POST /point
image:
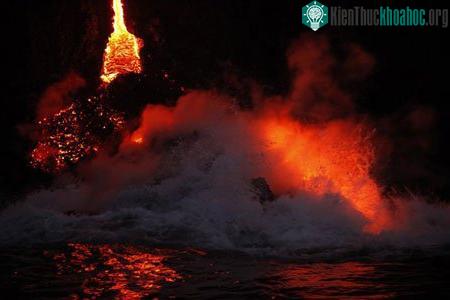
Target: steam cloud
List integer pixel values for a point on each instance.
(57, 96)
(184, 175)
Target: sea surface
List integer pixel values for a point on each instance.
(126, 271)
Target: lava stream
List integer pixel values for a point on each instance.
(122, 51)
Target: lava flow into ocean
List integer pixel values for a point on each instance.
(77, 131)
(307, 143)
(221, 149)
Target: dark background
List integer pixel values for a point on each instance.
(197, 41)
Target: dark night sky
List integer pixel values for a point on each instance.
(198, 41)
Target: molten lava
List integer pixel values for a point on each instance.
(73, 133)
(122, 52)
(331, 158)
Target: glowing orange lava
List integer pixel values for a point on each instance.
(328, 158)
(138, 140)
(334, 157)
(122, 52)
(75, 132)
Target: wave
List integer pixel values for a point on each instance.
(202, 199)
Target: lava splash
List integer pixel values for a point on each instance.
(122, 51)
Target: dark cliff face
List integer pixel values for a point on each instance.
(58, 36)
(200, 43)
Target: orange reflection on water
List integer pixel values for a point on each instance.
(343, 280)
(121, 272)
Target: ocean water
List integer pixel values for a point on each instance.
(193, 226)
(194, 237)
(119, 271)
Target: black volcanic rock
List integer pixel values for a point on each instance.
(262, 190)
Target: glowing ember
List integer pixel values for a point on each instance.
(73, 133)
(122, 52)
(138, 140)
